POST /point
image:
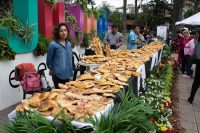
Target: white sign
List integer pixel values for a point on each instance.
(162, 31)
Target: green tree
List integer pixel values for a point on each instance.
(116, 17)
(177, 12)
(154, 14)
(189, 13)
(195, 5)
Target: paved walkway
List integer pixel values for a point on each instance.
(189, 113)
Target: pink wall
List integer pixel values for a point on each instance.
(45, 19)
(59, 13)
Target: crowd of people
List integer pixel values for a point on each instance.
(187, 45)
(136, 37)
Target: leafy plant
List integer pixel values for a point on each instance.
(82, 3)
(166, 55)
(95, 13)
(130, 115)
(5, 52)
(72, 20)
(51, 2)
(88, 11)
(86, 40)
(42, 46)
(25, 32)
(33, 122)
(15, 25)
(116, 18)
(10, 21)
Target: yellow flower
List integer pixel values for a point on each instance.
(161, 106)
(163, 128)
(168, 99)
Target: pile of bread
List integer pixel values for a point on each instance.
(138, 55)
(93, 91)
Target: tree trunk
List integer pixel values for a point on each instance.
(177, 13)
(136, 8)
(124, 15)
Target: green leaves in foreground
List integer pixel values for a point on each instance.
(130, 115)
(33, 122)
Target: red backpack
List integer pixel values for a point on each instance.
(21, 69)
(29, 79)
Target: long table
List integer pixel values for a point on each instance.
(138, 84)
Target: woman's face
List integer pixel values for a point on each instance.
(185, 34)
(63, 32)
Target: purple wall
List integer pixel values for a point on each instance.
(78, 13)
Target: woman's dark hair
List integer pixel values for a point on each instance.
(56, 31)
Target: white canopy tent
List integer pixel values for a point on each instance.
(193, 20)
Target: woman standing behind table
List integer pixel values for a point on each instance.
(189, 51)
(196, 82)
(183, 42)
(59, 56)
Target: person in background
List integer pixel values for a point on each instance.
(169, 41)
(133, 40)
(178, 38)
(154, 37)
(183, 42)
(141, 38)
(189, 51)
(113, 38)
(59, 56)
(147, 35)
(196, 82)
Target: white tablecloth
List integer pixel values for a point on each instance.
(76, 124)
(141, 69)
(154, 61)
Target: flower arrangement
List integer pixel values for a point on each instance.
(158, 96)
